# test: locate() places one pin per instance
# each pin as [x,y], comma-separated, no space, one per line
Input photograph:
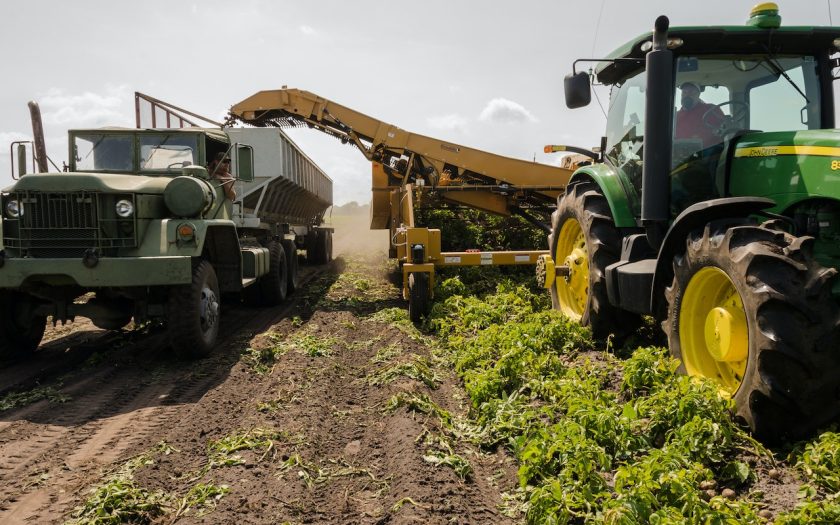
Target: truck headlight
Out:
[124,208]
[14,209]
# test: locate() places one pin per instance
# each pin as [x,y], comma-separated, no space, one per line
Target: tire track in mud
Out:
[113,408]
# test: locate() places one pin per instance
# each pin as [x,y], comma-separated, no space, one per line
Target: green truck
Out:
[723,222]
[137,227]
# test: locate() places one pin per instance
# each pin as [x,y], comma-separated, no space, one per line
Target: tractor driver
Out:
[697,119]
[219,169]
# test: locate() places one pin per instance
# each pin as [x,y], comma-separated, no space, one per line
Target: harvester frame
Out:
[408,168]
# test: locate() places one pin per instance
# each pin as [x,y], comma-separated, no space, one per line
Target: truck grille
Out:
[65,225]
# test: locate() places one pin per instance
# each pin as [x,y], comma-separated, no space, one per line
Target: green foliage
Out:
[598,439]
[120,501]
[417,368]
[221,452]
[463,229]
[820,461]
[18,399]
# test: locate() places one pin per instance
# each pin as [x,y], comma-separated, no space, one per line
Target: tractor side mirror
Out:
[578,91]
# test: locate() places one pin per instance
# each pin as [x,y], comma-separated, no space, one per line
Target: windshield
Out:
[100,152]
[165,152]
[721,95]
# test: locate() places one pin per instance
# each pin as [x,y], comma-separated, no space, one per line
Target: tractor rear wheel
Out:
[584,238]
[751,310]
[20,330]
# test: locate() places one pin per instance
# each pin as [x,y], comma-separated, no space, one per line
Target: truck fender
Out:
[221,248]
[695,216]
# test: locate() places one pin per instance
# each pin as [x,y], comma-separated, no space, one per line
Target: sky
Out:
[486,74]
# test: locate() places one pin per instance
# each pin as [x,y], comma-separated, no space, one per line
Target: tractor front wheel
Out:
[585,240]
[751,310]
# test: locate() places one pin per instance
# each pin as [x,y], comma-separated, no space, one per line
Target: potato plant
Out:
[601,439]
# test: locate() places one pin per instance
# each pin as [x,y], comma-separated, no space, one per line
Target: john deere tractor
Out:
[717,216]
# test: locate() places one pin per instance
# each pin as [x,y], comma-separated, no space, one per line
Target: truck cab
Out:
[139,227]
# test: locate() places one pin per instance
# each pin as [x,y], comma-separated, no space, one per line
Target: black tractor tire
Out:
[274,285]
[585,203]
[323,247]
[193,313]
[21,330]
[419,302]
[791,373]
[292,282]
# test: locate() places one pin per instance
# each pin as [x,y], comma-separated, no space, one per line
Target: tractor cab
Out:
[724,83]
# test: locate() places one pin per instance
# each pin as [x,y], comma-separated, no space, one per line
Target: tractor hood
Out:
[787,166]
[100,182]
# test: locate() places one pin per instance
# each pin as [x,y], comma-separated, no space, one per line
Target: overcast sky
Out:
[486,74]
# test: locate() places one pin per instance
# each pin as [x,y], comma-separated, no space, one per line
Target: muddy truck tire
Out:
[20,329]
[193,313]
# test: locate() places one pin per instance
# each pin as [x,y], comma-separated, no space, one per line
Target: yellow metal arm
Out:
[456,171]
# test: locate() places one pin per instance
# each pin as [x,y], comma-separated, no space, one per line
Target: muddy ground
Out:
[299,416]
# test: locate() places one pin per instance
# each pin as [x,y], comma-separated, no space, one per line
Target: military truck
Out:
[138,228]
[728,234]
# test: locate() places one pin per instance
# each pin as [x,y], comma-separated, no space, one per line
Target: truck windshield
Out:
[167,152]
[103,152]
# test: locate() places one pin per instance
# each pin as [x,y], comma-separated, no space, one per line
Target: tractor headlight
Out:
[124,208]
[14,209]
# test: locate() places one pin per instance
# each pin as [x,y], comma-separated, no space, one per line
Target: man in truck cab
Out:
[219,169]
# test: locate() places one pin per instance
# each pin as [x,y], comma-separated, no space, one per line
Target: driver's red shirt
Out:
[690,123]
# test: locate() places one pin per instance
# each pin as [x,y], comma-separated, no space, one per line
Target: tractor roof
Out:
[722,40]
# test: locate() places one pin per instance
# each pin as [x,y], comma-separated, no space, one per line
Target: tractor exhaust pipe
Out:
[38,136]
[659,98]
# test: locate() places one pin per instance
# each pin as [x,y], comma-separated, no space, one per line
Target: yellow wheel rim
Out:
[572,290]
[714,340]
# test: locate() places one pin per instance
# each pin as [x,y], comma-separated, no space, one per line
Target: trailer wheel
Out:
[322,247]
[20,330]
[418,296]
[193,316]
[584,237]
[292,262]
[274,284]
[751,310]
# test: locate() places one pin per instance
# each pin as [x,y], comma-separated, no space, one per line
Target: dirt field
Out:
[304,413]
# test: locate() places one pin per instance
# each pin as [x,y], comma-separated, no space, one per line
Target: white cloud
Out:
[504,111]
[452,121]
[308,30]
[88,109]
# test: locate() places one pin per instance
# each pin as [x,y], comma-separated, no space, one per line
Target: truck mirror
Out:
[21,159]
[577,89]
[245,163]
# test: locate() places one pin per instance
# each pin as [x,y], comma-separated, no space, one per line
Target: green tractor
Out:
[713,206]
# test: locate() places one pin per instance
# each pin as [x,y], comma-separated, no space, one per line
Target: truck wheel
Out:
[193,316]
[751,310]
[584,237]
[292,262]
[20,330]
[418,296]
[329,247]
[274,284]
[311,244]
